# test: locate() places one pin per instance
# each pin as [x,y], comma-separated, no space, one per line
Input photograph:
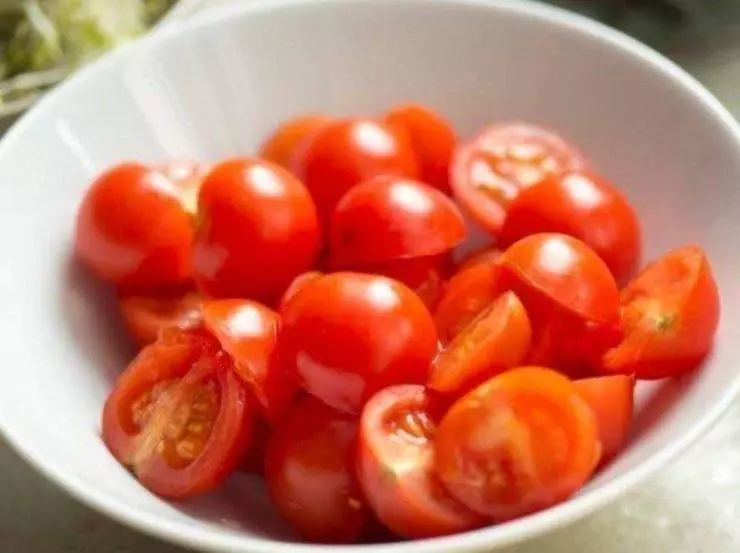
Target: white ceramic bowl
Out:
[215,87]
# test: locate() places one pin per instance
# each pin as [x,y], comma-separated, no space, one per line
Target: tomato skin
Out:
[670,315]
[395,465]
[496,340]
[258,231]
[310,473]
[586,206]
[186,361]
[347,152]
[248,332]
[146,317]
[521,442]
[432,139]
[289,137]
[388,218]
[488,172]
[373,332]
[486,254]
[611,398]
[297,285]
[133,231]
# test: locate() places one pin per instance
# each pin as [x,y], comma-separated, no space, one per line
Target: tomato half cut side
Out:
[289,137]
[248,332]
[179,417]
[670,315]
[310,473]
[611,398]
[146,317]
[488,172]
[521,442]
[395,465]
[496,340]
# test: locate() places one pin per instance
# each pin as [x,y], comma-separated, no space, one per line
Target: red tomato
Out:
[395,465]
[670,314]
[179,416]
[488,172]
[432,139]
[389,218]
[258,231]
[521,442]
[310,473]
[248,332]
[188,177]
[611,398]
[349,335]
[347,152]
[297,285]
[486,254]
[496,340]
[290,137]
[132,229]
[584,205]
[146,317]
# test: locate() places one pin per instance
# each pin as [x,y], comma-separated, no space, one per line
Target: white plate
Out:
[214,87]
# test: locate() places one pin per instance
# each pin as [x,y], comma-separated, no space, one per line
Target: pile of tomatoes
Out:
[307,315]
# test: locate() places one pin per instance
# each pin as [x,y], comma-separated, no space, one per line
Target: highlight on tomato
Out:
[146,317]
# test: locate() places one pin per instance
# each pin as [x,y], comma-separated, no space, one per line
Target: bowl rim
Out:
[226,539]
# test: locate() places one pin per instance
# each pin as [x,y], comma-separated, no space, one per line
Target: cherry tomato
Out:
[521,442]
[258,231]
[389,218]
[290,137]
[310,473]
[146,317]
[611,398]
[395,465]
[297,285]
[248,332]
[179,416]
[670,314]
[347,152]
[349,335]
[584,205]
[488,172]
[486,254]
[432,139]
[133,230]
[187,176]
[496,340]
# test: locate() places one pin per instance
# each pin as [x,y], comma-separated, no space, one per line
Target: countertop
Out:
[692,507]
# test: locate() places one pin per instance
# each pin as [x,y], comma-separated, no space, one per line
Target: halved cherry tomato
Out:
[521,442]
[289,137]
[432,139]
[389,218]
[179,416]
[133,230]
[466,295]
[347,152]
[488,172]
[146,317]
[248,332]
[611,398]
[670,314]
[258,230]
[348,335]
[584,205]
[486,254]
[395,465]
[310,473]
[496,340]
[297,285]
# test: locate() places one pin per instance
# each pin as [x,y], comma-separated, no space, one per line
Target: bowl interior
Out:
[216,87]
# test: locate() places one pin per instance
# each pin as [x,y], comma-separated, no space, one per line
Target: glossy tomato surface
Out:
[146,317]
[585,205]
[347,152]
[488,172]
[133,230]
[258,230]
[395,465]
[290,137]
[670,314]
[179,417]
[388,218]
[310,473]
[521,442]
[348,335]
